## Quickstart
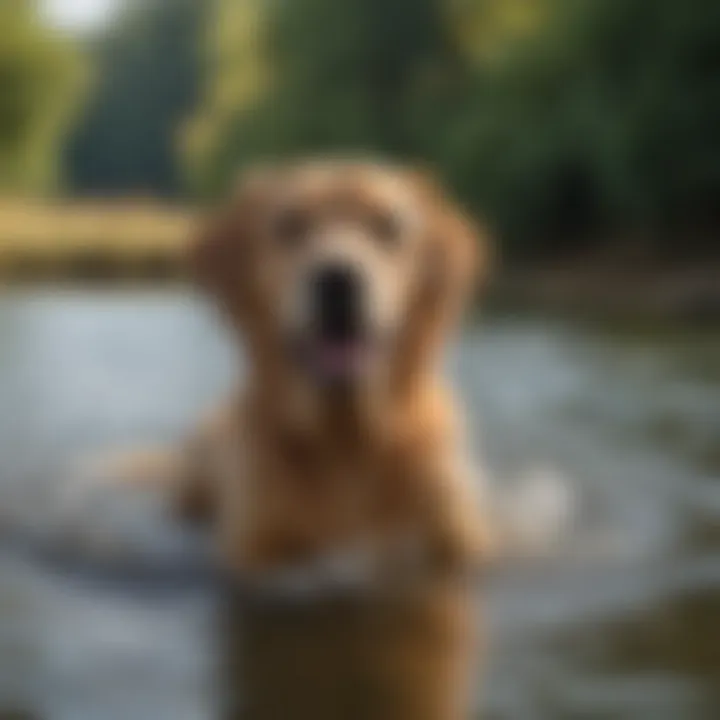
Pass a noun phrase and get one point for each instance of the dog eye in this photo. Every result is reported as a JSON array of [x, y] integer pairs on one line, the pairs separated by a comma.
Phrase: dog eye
[[387, 227], [291, 227]]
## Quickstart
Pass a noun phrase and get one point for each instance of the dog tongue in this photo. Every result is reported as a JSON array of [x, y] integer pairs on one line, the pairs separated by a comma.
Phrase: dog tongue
[[339, 358]]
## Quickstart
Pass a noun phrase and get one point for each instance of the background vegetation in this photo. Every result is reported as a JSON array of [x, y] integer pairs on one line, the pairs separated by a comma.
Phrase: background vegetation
[[577, 127], [40, 80]]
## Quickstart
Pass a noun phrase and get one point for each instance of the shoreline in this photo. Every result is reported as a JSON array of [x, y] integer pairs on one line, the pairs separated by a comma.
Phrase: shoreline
[[689, 294], [684, 295]]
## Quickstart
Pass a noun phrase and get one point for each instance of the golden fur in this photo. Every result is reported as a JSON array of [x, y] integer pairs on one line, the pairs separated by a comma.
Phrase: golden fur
[[288, 473], [373, 480]]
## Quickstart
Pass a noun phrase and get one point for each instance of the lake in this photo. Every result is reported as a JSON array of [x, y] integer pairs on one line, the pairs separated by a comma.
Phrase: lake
[[619, 619]]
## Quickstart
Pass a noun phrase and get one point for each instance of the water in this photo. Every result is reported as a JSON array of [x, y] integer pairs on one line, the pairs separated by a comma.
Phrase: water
[[621, 620]]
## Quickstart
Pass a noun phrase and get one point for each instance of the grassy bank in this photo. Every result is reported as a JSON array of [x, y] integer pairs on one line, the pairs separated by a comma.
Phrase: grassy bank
[[130, 239], [688, 293], [91, 240]]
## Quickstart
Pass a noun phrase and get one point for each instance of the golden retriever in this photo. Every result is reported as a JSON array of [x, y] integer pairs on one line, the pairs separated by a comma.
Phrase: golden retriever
[[341, 462], [343, 454]]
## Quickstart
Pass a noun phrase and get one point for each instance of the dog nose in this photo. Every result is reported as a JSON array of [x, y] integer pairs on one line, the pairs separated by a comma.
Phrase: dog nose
[[337, 294]]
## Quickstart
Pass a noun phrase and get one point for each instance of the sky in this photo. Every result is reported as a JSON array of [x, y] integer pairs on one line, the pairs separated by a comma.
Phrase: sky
[[79, 14]]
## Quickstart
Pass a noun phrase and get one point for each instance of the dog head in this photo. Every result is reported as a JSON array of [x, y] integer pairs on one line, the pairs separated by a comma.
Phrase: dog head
[[343, 273]]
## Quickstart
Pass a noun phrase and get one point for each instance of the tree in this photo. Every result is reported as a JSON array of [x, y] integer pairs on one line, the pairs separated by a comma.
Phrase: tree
[[605, 119], [566, 122], [40, 88], [234, 82], [147, 83], [323, 75]]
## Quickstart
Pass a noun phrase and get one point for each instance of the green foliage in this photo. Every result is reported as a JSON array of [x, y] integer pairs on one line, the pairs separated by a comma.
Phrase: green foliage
[[607, 120], [318, 76], [562, 120], [234, 81], [147, 82], [40, 84], [565, 122]]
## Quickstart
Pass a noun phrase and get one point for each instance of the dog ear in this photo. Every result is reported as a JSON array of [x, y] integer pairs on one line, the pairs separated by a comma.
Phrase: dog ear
[[212, 248], [220, 255], [456, 261]]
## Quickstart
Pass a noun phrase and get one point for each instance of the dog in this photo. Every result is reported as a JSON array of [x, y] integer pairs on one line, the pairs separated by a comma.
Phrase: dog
[[344, 452], [341, 463], [339, 469]]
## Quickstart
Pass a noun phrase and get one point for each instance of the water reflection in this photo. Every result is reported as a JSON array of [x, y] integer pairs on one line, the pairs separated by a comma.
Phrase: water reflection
[[617, 622], [390, 656]]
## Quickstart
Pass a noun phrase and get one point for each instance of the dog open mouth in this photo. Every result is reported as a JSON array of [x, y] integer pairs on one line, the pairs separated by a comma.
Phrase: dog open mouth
[[336, 361]]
